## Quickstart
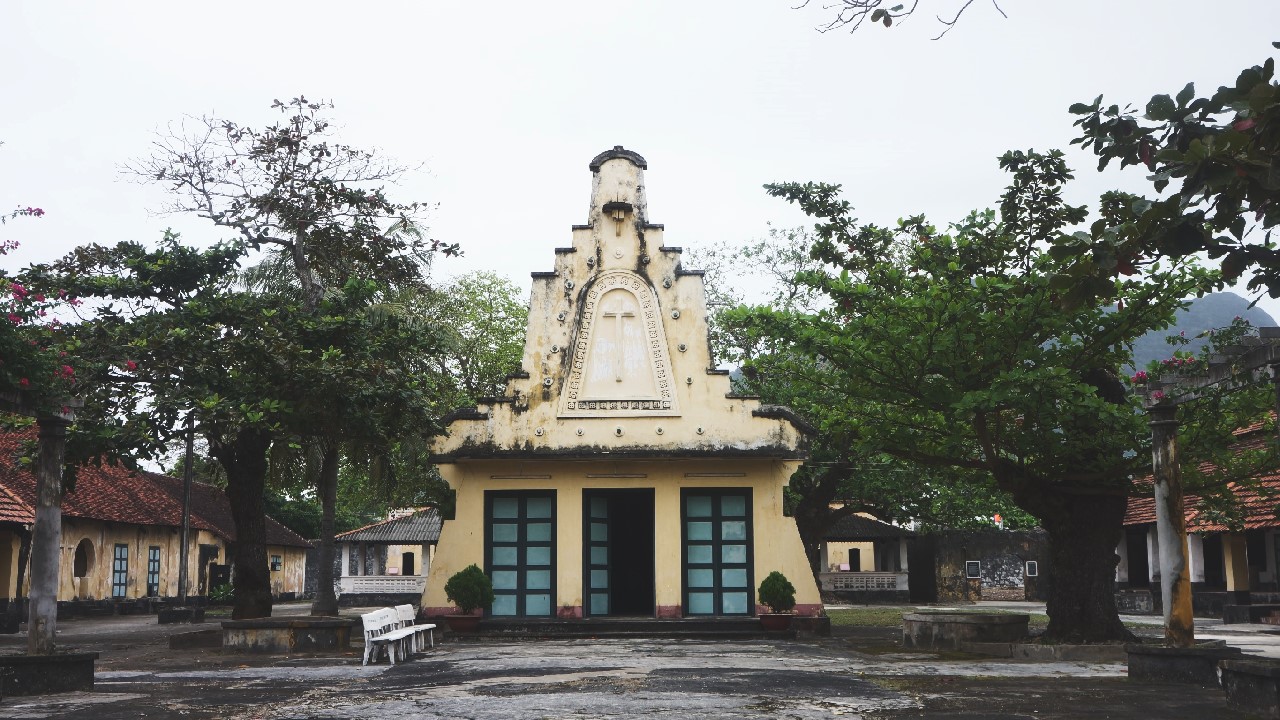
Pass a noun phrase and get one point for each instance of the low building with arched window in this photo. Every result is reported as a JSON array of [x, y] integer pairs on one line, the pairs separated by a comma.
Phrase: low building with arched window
[[121, 536]]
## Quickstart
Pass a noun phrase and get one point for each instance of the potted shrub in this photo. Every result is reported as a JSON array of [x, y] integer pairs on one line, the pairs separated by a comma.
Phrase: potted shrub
[[470, 589], [779, 595]]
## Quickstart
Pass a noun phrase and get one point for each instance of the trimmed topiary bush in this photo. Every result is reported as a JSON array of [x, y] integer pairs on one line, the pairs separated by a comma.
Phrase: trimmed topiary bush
[[469, 589], [778, 593]]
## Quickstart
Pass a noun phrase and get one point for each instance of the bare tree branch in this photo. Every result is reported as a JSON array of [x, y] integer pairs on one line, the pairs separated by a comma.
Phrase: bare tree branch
[[852, 14]]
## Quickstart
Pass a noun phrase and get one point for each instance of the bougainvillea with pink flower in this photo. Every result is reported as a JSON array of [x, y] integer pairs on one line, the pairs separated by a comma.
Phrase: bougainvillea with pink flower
[[33, 362]]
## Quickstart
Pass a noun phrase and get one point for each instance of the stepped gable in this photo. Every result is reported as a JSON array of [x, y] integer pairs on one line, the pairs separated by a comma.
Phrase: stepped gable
[[616, 354]]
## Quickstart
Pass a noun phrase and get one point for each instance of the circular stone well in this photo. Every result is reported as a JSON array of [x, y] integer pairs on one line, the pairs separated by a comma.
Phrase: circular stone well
[[946, 630]]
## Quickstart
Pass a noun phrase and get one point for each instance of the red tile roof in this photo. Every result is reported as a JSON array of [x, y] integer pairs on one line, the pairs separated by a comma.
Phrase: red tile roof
[[13, 509], [1258, 501], [113, 493]]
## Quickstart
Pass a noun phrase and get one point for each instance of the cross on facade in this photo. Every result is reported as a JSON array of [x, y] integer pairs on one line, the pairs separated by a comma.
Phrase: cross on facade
[[617, 310]]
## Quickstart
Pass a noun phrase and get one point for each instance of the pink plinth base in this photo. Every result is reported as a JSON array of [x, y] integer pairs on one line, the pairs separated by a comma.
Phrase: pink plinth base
[[435, 612], [799, 610], [670, 611], [569, 612]]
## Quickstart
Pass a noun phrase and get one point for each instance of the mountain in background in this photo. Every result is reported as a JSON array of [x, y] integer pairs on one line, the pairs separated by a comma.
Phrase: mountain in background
[[1212, 311]]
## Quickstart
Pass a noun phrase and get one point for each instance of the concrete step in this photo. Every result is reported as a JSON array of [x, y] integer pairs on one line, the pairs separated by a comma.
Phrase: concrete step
[[693, 628], [482, 635]]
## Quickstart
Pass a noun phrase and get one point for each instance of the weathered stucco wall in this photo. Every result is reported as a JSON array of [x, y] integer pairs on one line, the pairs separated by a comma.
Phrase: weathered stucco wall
[[777, 545], [1003, 557], [91, 579], [838, 553], [100, 538], [10, 544]]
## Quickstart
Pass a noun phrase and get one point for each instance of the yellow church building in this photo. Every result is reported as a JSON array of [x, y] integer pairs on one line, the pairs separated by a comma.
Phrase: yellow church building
[[619, 475]]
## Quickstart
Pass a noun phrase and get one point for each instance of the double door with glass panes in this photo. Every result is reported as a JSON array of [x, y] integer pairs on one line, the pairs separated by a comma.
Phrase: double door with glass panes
[[717, 551], [520, 552], [618, 528]]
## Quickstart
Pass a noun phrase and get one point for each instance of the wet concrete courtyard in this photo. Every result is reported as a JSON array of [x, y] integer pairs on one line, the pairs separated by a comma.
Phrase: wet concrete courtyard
[[628, 678], [859, 673]]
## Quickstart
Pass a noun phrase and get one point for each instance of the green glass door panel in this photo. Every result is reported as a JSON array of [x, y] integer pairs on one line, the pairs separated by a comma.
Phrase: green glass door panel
[[717, 551], [598, 556], [520, 551]]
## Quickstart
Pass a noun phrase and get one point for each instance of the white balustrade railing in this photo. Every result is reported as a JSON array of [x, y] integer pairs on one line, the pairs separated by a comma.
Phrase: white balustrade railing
[[863, 581], [376, 584]]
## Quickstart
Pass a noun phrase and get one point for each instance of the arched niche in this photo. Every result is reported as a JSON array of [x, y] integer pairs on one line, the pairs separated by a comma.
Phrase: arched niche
[[82, 564], [620, 365]]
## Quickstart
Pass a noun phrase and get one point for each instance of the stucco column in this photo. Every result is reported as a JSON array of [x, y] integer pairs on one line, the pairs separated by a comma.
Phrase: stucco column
[[1122, 567], [46, 536], [1171, 528], [1195, 557], [345, 566], [902, 554], [1153, 557], [1236, 562]]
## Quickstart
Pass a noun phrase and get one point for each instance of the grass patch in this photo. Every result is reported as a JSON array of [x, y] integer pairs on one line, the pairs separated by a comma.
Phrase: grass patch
[[868, 616]]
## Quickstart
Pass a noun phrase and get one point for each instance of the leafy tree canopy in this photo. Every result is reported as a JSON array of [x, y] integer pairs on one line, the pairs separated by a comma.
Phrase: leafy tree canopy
[[1218, 155], [841, 477], [951, 350]]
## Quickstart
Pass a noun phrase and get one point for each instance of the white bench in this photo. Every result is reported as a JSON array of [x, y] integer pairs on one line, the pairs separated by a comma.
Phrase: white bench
[[382, 631], [408, 620]]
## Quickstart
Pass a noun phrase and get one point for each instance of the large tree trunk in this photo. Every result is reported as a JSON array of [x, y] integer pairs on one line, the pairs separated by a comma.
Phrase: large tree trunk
[[245, 461], [326, 601], [813, 520], [1084, 531], [814, 514], [46, 554]]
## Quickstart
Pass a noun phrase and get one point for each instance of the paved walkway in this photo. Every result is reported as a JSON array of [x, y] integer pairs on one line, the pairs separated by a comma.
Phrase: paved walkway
[[1252, 639], [858, 674]]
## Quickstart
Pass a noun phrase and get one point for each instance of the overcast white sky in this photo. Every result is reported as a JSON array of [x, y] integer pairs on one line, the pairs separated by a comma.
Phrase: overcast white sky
[[504, 103]]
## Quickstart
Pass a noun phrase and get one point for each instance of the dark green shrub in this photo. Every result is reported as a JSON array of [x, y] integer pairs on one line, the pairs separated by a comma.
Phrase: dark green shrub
[[220, 594], [778, 593], [469, 589]]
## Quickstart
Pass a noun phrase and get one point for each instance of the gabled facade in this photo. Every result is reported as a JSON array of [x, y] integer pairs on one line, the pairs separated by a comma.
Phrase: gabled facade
[[121, 535], [619, 475], [391, 557]]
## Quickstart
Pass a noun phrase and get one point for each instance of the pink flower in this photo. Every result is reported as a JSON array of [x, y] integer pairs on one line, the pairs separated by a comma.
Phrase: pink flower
[[1157, 395], [38, 297], [67, 371], [19, 292], [24, 382], [15, 319], [1139, 377], [131, 365]]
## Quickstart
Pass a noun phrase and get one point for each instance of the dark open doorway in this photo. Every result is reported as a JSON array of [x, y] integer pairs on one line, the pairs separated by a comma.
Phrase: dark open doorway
[[618, 555]]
